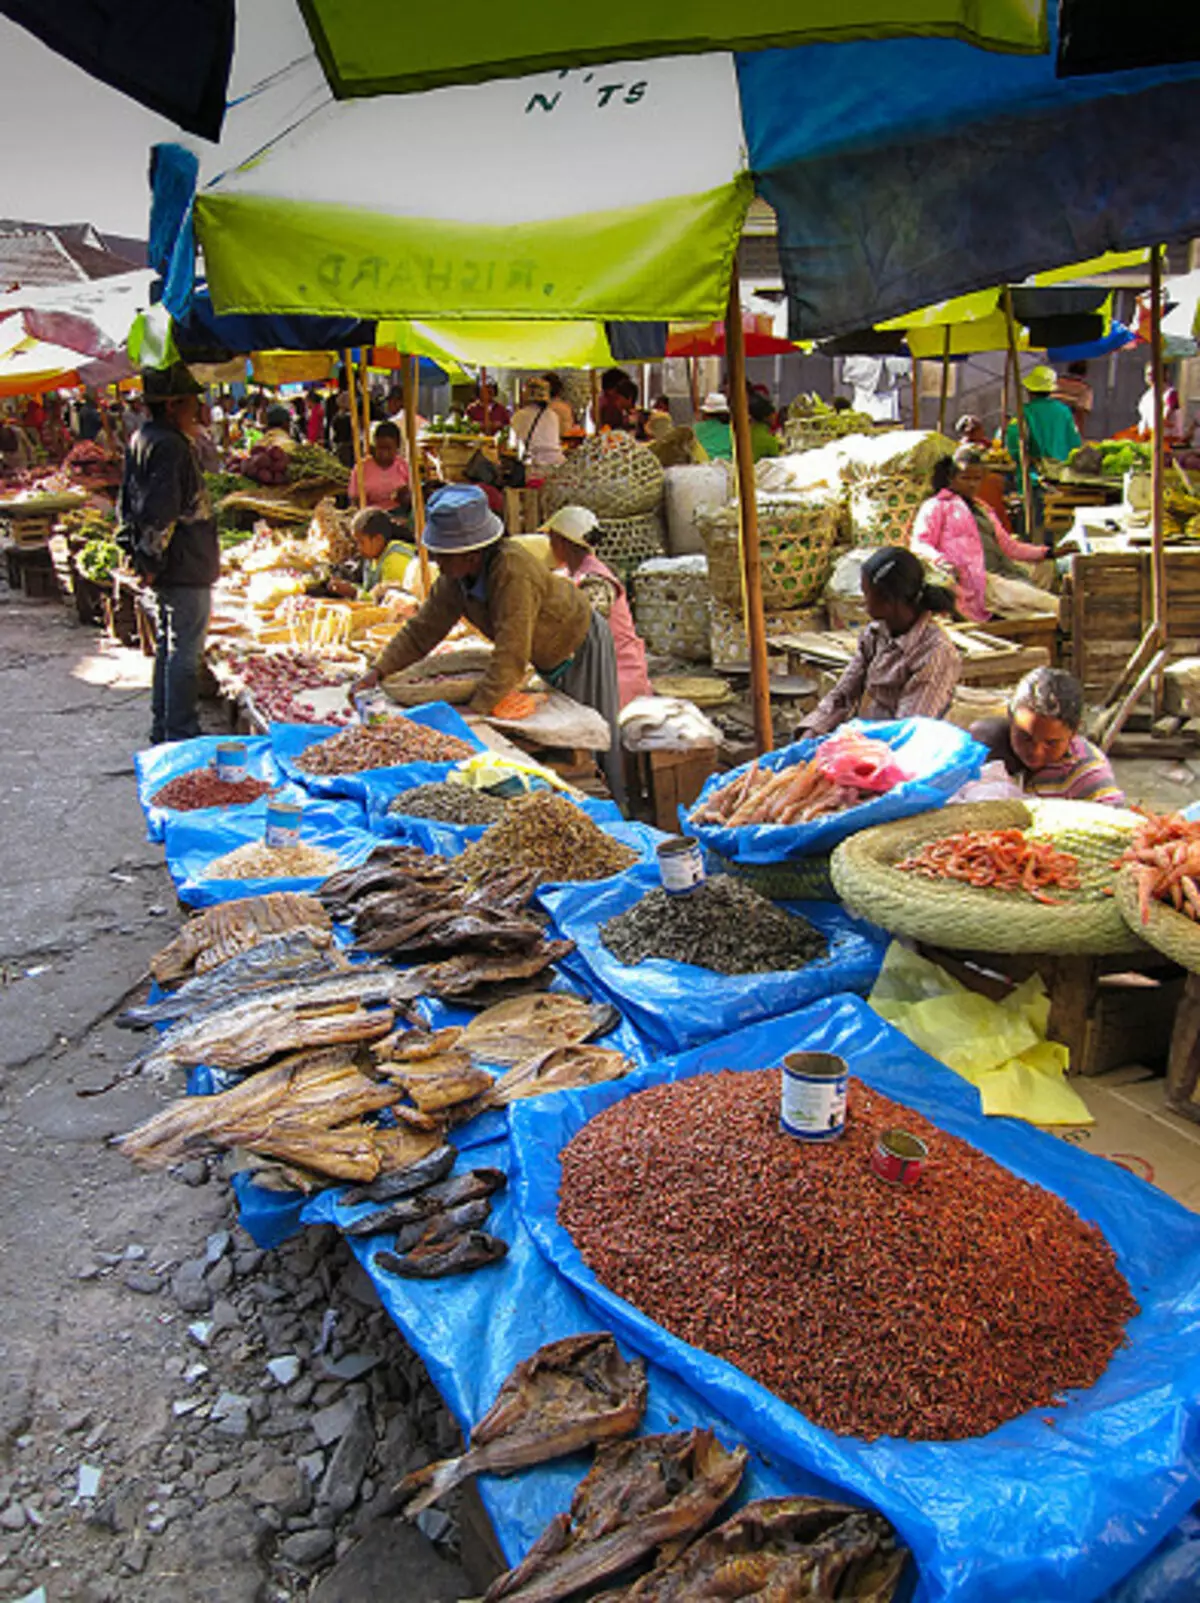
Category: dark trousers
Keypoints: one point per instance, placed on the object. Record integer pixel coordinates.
(592, 680)
(183, 613)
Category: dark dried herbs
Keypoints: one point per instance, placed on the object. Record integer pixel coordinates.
(449, 804)
(721, 925)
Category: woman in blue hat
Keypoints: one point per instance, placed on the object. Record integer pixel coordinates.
(531, 614)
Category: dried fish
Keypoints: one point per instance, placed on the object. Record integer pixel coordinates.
(566, 1068)
(552, 837)
(221, 932)
(448, 1193)
(257, 860)
(638, 1495)
(458, 1255)
(449, 803)
(722, 924)
(396, 741)
(416, 1046)
(567, 1395)
(442, 1083)
(276, 960)
(347, 1153)
(403, 1147)
(471, 1215)
(512, 1032)
(460, 976)
(434, 1166)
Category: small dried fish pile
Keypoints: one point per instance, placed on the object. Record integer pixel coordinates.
(549, 836)
(781, 1548)
(567, 1396)
(203, 788)
(276, 960)
(1165, 860)
(847, 769)
(437, 1217)
(723, 925)
(638, 1496)
(475, 977)
(449, 804)
(386, 745)
(998, 860)
(426, 1214)
(221, 932)
(307, 1111)
(257, 860)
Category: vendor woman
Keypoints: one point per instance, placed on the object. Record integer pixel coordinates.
(384, 472)
(956, 528)
(1040, 745)
(905, 665)
(571, 532)
(533, 616)
(383, 559)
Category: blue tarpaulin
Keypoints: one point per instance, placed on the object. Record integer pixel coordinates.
(192, 843)
(288, 741)
(157, 765)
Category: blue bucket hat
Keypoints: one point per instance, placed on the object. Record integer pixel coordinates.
(458, 520)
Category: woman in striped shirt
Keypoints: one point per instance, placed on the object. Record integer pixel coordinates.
(1040, 745)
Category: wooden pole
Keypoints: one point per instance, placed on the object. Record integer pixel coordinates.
(365, 399)
(485, 419)
(945, 381)
(595, 401)
(409, 381)
(694, 387)
(743, 455)
(1158, 568)
(1022, 427)
(1004, 412)
(916, 389)
(351, 391)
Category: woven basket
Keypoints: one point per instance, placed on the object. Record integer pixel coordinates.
(609, 473)
(672, 608)
(802, 879)
(1167, 931)
(625, 543)
(965, 918)
(727, 638)
(882, 508)
(796, 539)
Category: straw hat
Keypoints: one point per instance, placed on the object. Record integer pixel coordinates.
(458, 520)
(714, 401)
(574, 524)
(1040, 380)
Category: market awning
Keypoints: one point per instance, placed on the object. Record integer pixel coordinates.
(92, 319)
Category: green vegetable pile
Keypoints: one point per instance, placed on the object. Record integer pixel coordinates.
(314, 462)
(98, 559)
(1112, 458)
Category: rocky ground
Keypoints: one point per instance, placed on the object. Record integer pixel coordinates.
(182, 1416)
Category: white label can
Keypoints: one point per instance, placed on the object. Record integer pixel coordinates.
(283, 823)
(681, 864)
(813, 1095)
(231, 761)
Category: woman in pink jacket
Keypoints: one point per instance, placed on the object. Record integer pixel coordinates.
(571, 531)
(962, 532)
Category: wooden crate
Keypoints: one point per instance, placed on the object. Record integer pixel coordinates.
(669, 780)
(1040, 634)
(1110, 611)
(522, 510)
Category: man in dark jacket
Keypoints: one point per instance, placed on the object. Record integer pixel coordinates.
(170, 534)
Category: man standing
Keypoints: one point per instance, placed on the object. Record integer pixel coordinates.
(168, 531)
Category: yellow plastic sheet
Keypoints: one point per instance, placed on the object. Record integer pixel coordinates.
(1001, 1047)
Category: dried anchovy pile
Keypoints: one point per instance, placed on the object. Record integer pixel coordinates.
(549, 836)
(386, 745)
(722, 925)
(202, 788)
(255, 860)
(449, 804)
(935, 1312)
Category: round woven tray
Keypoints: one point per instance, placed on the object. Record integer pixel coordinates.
(1167, 931)
(964, 918)
(800, 879)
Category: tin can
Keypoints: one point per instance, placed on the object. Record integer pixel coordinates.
(899, 1157)
(813, 1095)
(283, 823)
(680, 864)
(231, 761)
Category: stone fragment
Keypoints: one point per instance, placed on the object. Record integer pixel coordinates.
(344, 1477)
(305, 1548)
(283, 1370)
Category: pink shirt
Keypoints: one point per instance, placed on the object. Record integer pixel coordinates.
(632, 677)
(945, 526)
(382, 483)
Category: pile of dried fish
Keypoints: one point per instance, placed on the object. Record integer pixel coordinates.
(568, 1395)
(277, 959)
(386, 745)
(437, 1218)
(448, 803)
(257, 860)
(639, 1496)
(221, 932)
(723, 924)
(551, 838)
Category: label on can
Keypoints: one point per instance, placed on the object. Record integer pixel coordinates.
(813, 1095)
(231, 761)
(681, 864)
(283, 823)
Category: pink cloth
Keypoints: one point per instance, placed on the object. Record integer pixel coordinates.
(632, 678)
(945, 525)
(315, 423)
(382, 483)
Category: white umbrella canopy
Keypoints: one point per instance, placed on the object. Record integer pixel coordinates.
(89, 319)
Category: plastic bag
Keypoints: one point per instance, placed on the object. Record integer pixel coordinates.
(679, 1005)
(1029, 1511)
(159, 764)
(941, 757)
(1000, 1047)
(194, 841)
(288, 741)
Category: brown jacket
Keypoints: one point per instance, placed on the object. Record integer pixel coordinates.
(533, 615)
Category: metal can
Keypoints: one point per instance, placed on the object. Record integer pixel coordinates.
(813, 1095)
(283, 823)
(899, 1157)
(231, 761)
(680, 864)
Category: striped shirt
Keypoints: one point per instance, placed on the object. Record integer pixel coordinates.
(892, 676)
(1084, 774)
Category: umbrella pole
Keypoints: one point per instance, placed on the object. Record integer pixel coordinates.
(415, 488)
(365, 399)
(352, 392)
(595, 401)
(751, 556)
(945, 381)
(485, 402)
(1004, 411)
(916, 389)
(694, 386)
(1022, 427)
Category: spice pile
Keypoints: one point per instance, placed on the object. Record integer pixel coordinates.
(255, 860)
(552, 838)
(1165, 859)
(846, 770)
(449, 804)
(721, 925)
(998, 860)
(931, 1313)
(385, 745)
(202, 788)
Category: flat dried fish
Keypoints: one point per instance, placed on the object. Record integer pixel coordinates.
(638, 1495)
(514, 1031)
(221, 932)
(564, 1397)
(405, 1181)
(348, 1153)
(458, 1255)
(471, 1215)
(401, 1149)
(448, 1193)
(459, 976)
(566, 1068)
(414, 1046)
(441, 1084)
(276, 960)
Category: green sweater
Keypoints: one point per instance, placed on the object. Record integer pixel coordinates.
(1052, 433)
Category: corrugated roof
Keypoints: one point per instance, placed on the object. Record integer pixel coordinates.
(32, 256)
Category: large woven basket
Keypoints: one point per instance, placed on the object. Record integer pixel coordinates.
(625, 543)
(672, 606)
(1167, 931)
(802, 879)
(795, 536)
(882, 507)
(729, 644)
(609, 473)
(965, 918)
